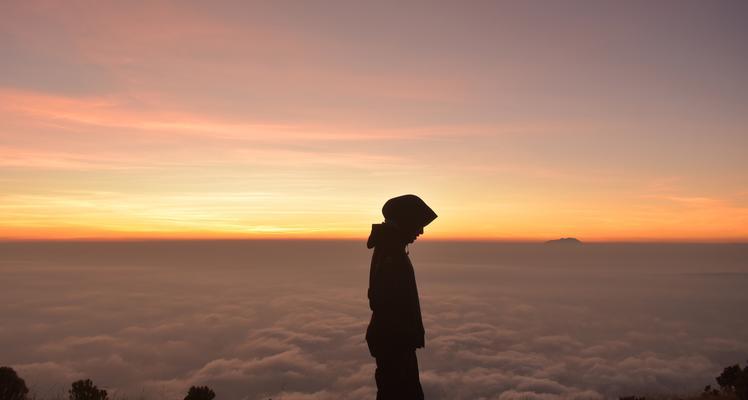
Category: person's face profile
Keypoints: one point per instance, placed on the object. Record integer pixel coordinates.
(413, 233)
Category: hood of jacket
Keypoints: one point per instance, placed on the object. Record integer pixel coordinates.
(408, 210)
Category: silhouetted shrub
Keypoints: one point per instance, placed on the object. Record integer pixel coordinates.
(12, 387)
(86, 390)
(728, 377)
(709, 391)
(741, 385)
(734, 379)
(200, 393)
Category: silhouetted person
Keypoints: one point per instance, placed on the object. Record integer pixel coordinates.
(396, 329)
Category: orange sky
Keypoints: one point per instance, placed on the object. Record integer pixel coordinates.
(513, 120)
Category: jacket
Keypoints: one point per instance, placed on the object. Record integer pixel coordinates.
(396, 323)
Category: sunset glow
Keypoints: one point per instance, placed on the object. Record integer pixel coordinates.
(197, 120)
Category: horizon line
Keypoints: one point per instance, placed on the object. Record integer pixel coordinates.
(363, 238)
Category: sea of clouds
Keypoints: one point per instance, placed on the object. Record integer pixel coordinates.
(286, 320)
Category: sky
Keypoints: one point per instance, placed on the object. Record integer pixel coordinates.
(623, 121)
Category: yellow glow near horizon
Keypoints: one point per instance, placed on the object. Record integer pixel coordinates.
(120, 121)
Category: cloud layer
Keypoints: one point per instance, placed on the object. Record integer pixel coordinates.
(255, 320)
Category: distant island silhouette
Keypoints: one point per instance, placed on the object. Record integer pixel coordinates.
(566, 240)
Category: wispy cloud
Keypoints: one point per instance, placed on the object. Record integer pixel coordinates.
(507, 133)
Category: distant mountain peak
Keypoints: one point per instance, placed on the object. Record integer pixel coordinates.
(566, 240)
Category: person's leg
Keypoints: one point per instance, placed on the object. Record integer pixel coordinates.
(386, 377)
(415, 391)
(397, 376)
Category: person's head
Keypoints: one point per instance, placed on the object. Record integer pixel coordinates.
(409, 214)
(411, 233)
